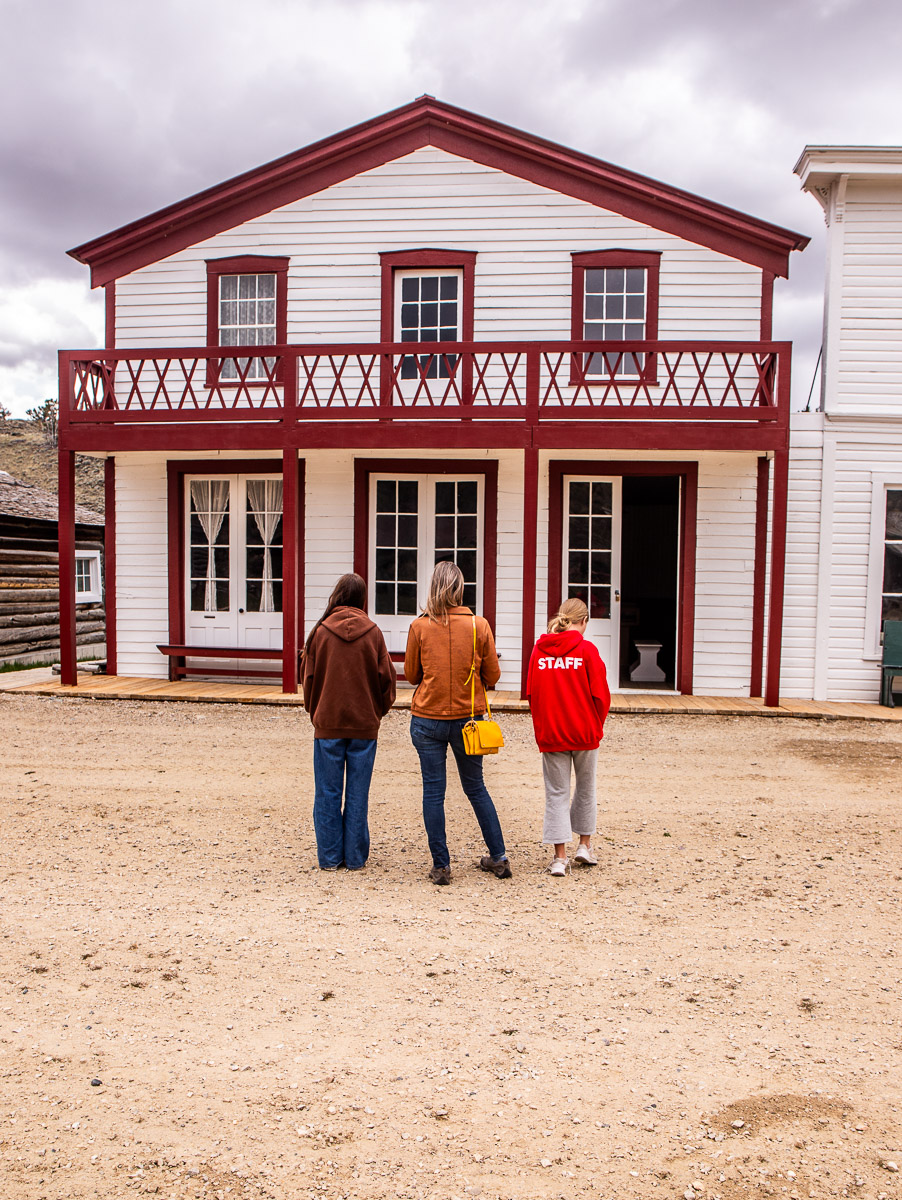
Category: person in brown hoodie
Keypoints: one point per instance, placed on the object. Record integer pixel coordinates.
(440, 659)
(349, 686)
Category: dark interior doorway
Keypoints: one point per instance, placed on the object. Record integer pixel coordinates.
(649, 575)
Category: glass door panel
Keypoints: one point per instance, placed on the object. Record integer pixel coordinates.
(591, 566)
(415, 522)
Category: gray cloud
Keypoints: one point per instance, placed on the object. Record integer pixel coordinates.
(121, 109)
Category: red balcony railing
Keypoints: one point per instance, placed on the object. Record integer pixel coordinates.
(470, 381)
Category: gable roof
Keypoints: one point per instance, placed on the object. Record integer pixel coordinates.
(429, 122)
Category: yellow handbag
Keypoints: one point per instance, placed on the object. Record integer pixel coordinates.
(480, 737)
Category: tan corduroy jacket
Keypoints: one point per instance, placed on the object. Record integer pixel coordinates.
(438, 661)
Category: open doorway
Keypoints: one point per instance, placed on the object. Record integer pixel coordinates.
(649, 581)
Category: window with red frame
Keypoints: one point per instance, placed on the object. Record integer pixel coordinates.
(247, 299)
(615, 299)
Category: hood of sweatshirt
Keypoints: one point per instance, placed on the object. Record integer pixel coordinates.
(348, 623)
(559, 644)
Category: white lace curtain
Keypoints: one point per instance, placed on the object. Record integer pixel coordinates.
(264, 499)
(211, 503)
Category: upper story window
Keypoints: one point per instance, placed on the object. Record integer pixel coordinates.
(428, 309)
(427, 296)
(615, 299)
(247, 305)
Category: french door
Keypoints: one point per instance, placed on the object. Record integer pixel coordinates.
(415, 522)
(233, 561)
(591, 566)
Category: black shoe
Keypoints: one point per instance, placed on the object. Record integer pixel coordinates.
(440, 875)
(499, 867)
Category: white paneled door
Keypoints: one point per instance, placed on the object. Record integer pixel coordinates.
(591, 566)
(233, 561)
(415, 522)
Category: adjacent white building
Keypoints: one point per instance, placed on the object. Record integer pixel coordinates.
(844, 547)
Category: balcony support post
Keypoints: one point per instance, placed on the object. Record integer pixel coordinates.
(66, 528)
(530, 521)
(292, 565)
(759, 585)
(777, 577)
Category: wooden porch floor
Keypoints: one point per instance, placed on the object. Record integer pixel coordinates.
(123, 687)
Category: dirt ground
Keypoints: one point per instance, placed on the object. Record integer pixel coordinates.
(191, 1010)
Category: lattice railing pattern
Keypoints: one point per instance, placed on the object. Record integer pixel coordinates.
(514, 380)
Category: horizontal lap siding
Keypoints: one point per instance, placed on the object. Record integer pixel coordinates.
(725, 563)
(870, 334)
(523, 233)
(142, 587)
(860, 456)
(803, 537)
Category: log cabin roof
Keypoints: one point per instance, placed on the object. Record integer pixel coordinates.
(20, 499)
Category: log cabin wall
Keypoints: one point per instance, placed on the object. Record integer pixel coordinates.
(29, 592)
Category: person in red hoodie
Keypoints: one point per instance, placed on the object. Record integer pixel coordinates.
(349, 686)
(567, 689)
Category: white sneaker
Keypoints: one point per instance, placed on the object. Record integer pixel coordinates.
(559, 866)
(585, 856)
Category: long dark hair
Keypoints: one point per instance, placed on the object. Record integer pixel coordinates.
(349, 592)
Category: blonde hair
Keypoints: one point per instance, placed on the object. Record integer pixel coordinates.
(572, 612)
(446, 590)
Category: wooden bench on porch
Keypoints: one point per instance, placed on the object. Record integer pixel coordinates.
(178, 669)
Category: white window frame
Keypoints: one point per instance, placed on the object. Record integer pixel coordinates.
(423, 272)
(246, 330)
(880, 485)
(94, 594)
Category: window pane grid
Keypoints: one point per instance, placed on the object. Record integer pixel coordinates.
(429, 312)
(589, 531)
(456, 530)
(397, 530)
(614, 310)
(209, 566)
(247, 317)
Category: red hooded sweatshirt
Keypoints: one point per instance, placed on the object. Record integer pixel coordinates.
(567, 688)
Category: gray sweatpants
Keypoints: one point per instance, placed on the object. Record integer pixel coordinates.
(565, 817)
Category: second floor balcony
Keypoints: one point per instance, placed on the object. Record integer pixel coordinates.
(532, 382)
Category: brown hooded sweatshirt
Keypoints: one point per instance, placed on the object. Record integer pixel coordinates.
(349, 681)
(438, 660)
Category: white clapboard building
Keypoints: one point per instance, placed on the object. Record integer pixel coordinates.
(434, 336)
(844, 564)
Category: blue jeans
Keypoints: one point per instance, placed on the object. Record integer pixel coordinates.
(342, 765)
(432, 739)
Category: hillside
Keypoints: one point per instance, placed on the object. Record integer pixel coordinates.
(25, 455)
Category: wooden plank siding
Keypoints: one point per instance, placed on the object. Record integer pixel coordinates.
(523, 234)
(869, 376)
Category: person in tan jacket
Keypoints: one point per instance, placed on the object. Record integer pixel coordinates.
(439, 661)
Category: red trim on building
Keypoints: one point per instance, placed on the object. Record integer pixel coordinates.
(777, 577)
(109, 310)
(406, 260)
(245, 264)
(584, 260)
(365, 467)
(530, 549)
(688, 473)
(292, 612)
(66, 533)
(759, 584)
(429, 122)
(109, 562)
(767, 305)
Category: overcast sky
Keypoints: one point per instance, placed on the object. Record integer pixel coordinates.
(112, 109)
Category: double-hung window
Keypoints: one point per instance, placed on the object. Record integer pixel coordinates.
(891, 594)
(615, 299)
(247, 306)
